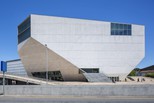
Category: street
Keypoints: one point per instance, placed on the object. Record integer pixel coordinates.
(71, 99)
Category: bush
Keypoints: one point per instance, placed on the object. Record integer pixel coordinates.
(150, 75)
(134, 72)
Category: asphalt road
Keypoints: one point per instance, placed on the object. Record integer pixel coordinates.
(71, 99)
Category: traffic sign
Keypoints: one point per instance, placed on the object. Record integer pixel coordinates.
(3, 66)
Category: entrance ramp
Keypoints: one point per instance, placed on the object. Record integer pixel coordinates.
(23, 79)
(96, 77)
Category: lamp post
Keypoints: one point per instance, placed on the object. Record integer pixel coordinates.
(46, 62)
(3, 83)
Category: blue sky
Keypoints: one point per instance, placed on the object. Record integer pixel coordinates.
(13, 12)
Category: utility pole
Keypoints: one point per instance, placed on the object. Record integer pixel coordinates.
(46, 63)
(3, 83)
(3, 69)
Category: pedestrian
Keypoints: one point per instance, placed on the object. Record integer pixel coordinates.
(125, 80)
(138, 80)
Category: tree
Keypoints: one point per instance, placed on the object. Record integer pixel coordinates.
(134, 72)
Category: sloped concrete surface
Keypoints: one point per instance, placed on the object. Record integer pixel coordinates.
(96, 77)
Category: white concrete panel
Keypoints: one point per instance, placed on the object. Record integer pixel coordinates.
(89, 44)
(138, 30)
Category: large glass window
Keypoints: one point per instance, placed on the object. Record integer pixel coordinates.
(24, 30)
(52, 75)
(24, 25)
(91, 70)
(24, 35)
(121, 29)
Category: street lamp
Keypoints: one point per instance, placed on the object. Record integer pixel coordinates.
(46, 53)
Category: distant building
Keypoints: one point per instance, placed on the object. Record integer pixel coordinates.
(15, 67)
(146, 70)
(79, 50)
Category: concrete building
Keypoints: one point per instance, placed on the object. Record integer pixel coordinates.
(79, 50)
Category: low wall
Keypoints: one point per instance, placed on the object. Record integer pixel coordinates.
(81, 90)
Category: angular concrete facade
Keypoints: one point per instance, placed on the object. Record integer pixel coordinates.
(73, 44)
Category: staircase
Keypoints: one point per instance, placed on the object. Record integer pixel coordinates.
(96, 77)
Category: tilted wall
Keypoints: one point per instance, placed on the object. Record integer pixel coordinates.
(37, 58)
